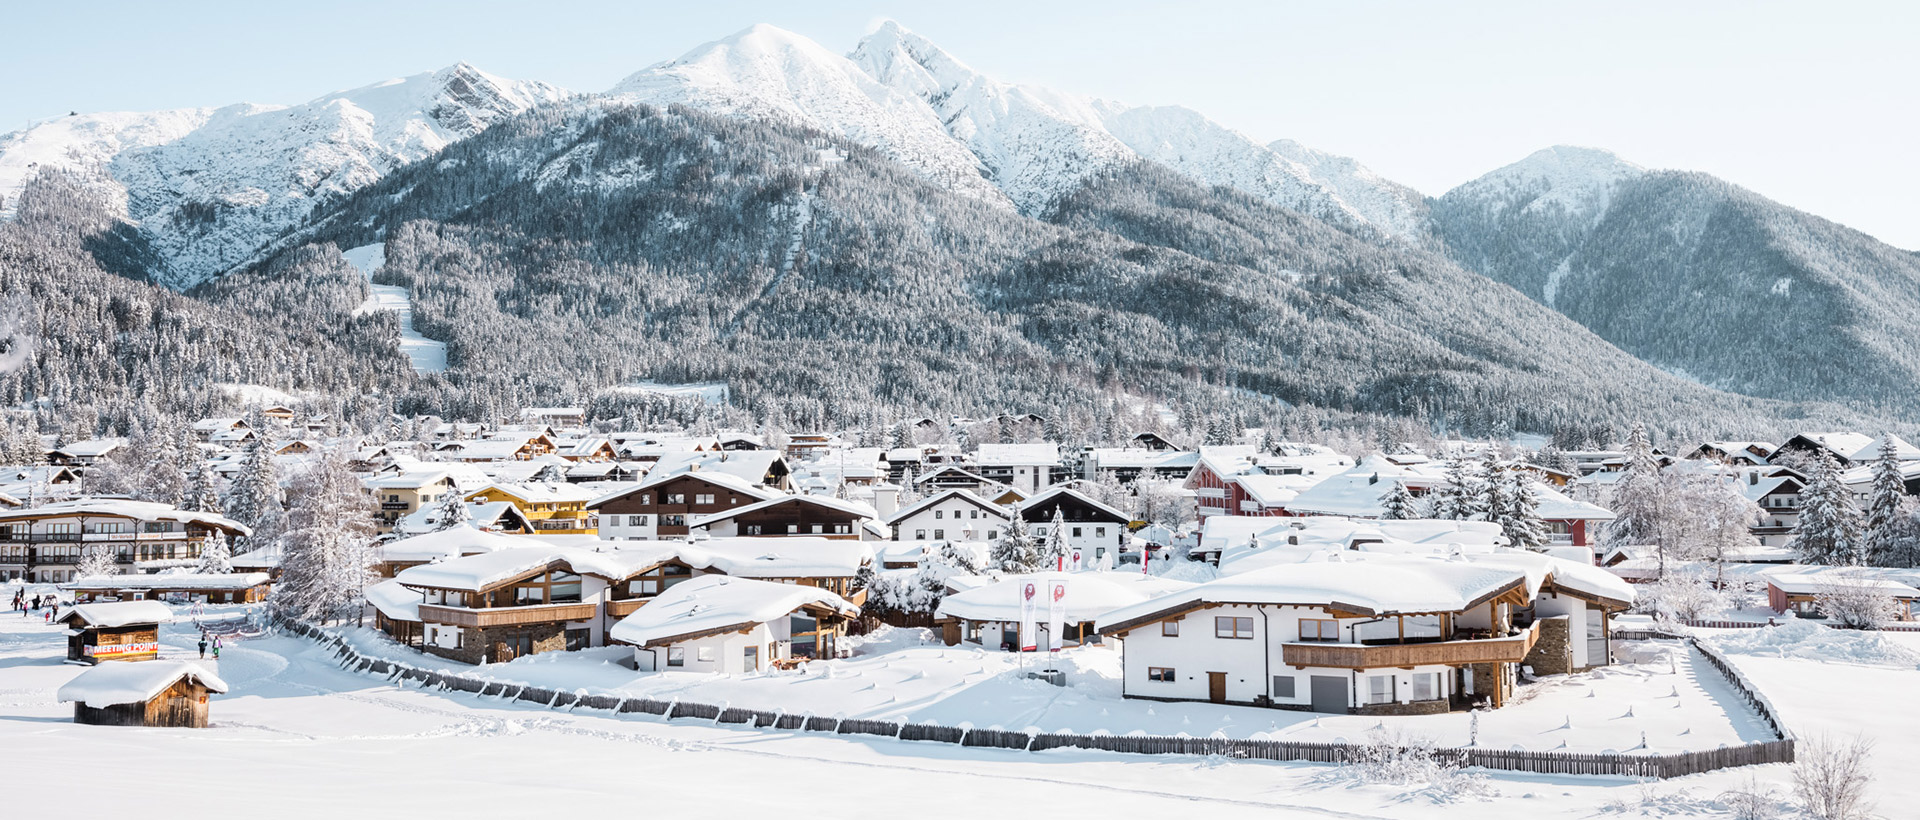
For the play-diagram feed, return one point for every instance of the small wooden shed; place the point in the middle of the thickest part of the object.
(123, 631)
(162, 693)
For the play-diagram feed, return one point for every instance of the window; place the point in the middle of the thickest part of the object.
(1160, 674)
(843, 529)
(636, 520)
(973, 513)
(1076, 532)
(673, 521)
(676, 498)
(676, 656)
(939, 535)
(703, 498)
(1380, 689)
(1426, 686)
(919, 535)
(1099, 532)
(992, 534)
(1283, 686)
(1228, 626)
(1170, 629)
(818, 529)
(753, 529)
(1318, 629)
(646, 499)
(644, 586)
(939, 514)
(705, 654)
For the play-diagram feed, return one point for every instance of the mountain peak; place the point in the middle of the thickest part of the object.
(1576, 178)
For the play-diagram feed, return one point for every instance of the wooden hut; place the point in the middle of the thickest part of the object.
(225, 588)
(162, 693)
(124, 631)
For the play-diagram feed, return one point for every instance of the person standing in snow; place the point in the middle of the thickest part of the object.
(203, 645)
(216, 647)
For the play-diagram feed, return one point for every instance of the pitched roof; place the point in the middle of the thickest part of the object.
(853, 508)
(1045, 496)
(123, 613)
(111, 684)
(959, 493)
(715, 604)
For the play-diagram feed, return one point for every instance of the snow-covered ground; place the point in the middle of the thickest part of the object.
(300, 735)
(427, 355)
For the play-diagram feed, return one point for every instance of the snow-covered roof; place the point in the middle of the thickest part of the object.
(1557, 506)
(483, 571)
(1109, 458)
(122, 508)
(540, 492)
(172, 580)
(411, 480)
(1583, 579)
(451, 543)
(1089, 595)
(853, 508)
(111, 684)
(1846, 445)
(1358, 582)
(1815, 582)
(123, 613)
(1359, 491)
(1045, 496)
(714, 604)
(1029, 454)
(1247, 542)
(93, 447)
(395, 600)
(783, 557)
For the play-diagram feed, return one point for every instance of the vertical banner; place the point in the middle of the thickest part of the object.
(1029, 615)
(1076, 562)
(1056, 613)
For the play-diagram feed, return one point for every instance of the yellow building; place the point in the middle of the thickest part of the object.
(552, 509)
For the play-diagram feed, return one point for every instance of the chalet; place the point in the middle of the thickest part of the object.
(492, 516)
(1369, 633)
(663, 505)
(1848, 449)
(1026, 467)
(802, 446)
(725, 625)
(1093, 529)
(403, 494)
(1152, 441)
(277, 412)
(1123, 465)
(179, 587)
(813, 561)
(1736, 453)
(790, 515)
(170, 694)
(954, 514)
(552, 509)
(442, 545)
(555, 416)
(1776, 491)
(84, 453)
(955, 477)
(205, 429)
(44, 544)
(1569, 522)
(291, 447)
(1216, 492)
(124, 631)
(989, 614)
(590, 449)
(1361, 490)
(737, 441)
(1800, 592)
(614, 471)
(496, 606)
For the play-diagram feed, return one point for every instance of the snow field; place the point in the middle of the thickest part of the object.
(427, 355)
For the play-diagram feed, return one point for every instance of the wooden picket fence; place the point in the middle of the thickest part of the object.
(1616, 764)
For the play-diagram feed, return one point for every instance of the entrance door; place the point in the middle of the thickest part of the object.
(1330, 694)
(1217, 687)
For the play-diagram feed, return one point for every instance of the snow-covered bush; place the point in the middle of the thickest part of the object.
(1685, 593)
(1393, 757)
(1753, 800)
(1831, 777)
(96, 560)
(1855, 602)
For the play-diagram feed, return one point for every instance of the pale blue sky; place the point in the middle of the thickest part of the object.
(1812, 104)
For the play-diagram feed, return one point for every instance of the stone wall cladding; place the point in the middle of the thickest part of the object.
(1553, 653)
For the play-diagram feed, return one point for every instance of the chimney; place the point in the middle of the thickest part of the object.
(886, 500)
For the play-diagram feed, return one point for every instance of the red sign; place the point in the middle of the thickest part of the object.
(122, 651)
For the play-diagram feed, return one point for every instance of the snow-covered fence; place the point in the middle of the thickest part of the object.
(1627, 764)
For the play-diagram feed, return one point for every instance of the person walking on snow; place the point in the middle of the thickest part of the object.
(203, 645)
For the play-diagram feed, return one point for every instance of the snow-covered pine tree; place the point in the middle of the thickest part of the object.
(452, 512)
(203, 492)
(1015, 551)
(1452, 501)
(1886, 506)
(1054, 555)
(1399, 504)
(1490, 494)
(96, 560)
(1829, 527)
(1520, 515)
(216, 557)
(256, 498)
(1638, 498)
(329, 554)
(960, 561)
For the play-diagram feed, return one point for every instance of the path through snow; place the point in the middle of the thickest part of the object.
(427, 355)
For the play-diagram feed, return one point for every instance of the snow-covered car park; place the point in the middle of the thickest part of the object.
(296, 731)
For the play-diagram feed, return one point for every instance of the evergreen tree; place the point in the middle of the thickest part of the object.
(1829, 529)
(1886, 506)
(1015, 552)
(1490, 491)
(256, 498)
(215, 556)
(96, 560)
(1454, 501)
(1520, 516)
(453, 511)
(1399, 504)
(1054, 555)
(1639, 499)
(203, 493)
(328, 545)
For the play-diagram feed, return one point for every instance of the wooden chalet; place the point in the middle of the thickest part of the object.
(125, 631)
(168, 694)
(665, 505)
(818, 516)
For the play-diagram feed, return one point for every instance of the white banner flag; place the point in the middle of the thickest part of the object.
(1029, 615)
(1057, 613)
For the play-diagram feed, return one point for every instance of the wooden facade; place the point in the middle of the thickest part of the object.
(134, 642)
(182, 705)
(671, 504)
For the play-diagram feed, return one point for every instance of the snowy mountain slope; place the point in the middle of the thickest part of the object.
(1697, 275)
(769, 72)
(1390, 206)
(208, 187)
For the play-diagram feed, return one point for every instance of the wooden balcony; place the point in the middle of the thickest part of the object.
(621, 609)
(1452, 653)
(506, 615)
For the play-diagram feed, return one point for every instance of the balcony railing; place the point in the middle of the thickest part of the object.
(623, 608)
(506, 615)
(1511, 649)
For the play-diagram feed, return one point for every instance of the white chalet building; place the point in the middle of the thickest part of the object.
(956, 515)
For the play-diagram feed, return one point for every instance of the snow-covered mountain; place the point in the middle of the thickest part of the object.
(770, 72)
(208, 186)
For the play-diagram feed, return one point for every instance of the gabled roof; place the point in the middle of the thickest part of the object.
(123, 613)
(725, 481)
(853, 508)
(1089, 595)
(450, 543)
(1064, 494)
(539, 493)
(717, 604)
(962, 494)
(486, 571)
(112, 684)
(1030, 454)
